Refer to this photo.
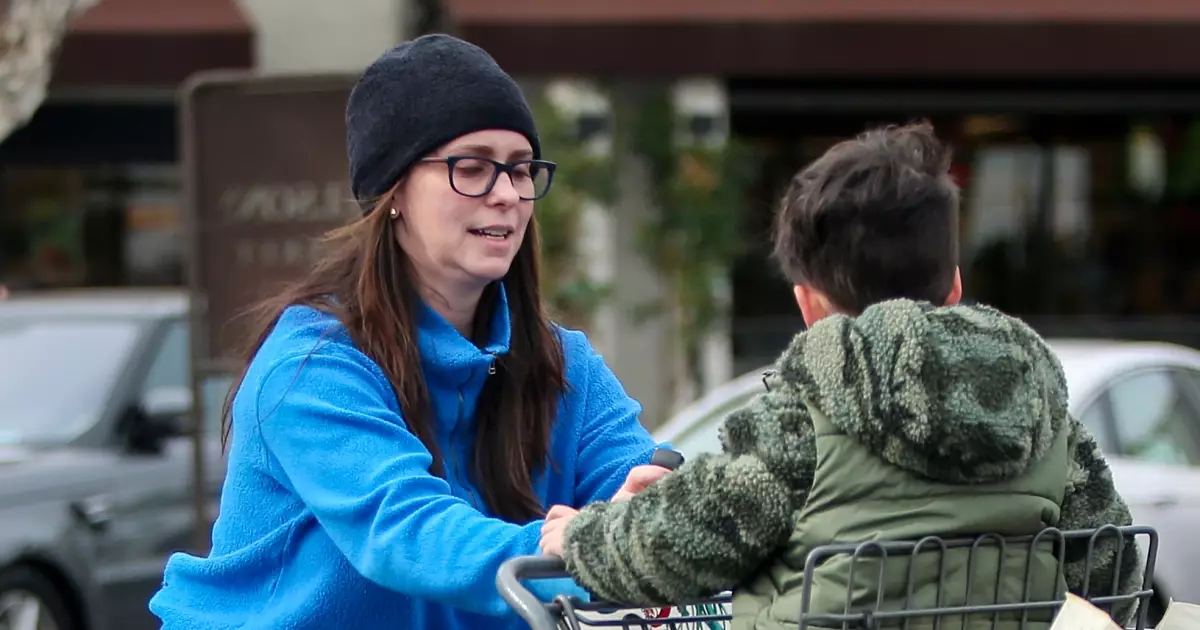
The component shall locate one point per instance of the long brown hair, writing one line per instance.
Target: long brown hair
(367, 282)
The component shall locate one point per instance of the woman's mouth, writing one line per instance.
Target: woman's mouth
(493, 233)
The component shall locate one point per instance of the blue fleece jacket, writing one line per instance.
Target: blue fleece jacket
(329, 516)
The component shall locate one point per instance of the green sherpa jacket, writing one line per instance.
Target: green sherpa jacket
(907, 421)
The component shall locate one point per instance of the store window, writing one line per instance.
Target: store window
(1081, 223)
(1091, 217)
(64, 227)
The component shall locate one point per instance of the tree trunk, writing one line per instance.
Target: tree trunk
(429, 16)
(683, 384)
(30, 35)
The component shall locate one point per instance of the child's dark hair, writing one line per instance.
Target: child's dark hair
(874, 218)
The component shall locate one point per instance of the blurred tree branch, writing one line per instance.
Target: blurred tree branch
(572, 294)
(694, 234)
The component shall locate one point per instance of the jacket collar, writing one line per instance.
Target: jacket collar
(447, 353)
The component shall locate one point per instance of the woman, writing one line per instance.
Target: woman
(408, 409)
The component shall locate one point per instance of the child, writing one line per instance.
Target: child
(898, 414)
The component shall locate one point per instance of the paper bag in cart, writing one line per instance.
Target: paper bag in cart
(1079, 614)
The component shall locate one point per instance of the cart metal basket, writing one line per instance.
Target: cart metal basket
(878, 560)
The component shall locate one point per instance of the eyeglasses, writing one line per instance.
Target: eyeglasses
(473, 176)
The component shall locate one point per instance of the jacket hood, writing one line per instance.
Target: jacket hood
(959, 394)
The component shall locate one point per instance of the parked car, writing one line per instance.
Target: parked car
(1140, 400)
(95, 455)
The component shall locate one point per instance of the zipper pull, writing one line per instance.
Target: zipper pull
(491, 368)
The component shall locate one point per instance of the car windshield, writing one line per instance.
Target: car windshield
(704, 436)
(56, 374)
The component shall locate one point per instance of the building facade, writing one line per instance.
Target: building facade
(90, 188)
(1074, 123)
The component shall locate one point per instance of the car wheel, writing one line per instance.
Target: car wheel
(29, 601)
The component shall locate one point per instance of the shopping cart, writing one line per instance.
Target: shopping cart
(883, 560)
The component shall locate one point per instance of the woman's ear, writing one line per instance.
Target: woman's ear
(396, 202)
(395, 194)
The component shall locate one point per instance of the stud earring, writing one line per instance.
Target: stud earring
(394, 213)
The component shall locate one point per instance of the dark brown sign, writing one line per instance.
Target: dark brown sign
(266, 175)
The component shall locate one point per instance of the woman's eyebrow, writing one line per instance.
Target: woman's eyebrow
(484, 150)
(473, 149)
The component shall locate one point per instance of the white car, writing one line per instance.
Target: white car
(1141, 401)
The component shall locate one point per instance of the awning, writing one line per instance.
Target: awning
(153, 43)
(562, 12)
(839, 38)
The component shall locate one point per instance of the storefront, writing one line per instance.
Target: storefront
(1074, 123)
(1074, 126)
(1080, 218)
(90, 188)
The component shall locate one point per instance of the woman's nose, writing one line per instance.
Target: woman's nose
(504, 191)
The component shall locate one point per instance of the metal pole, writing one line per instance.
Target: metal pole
(196, 315)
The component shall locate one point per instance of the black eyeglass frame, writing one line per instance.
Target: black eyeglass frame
(508, 168)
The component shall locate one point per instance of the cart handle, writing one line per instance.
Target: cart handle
(521, 599)
(512, 571)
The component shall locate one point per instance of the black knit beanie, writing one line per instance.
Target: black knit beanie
(419, 96)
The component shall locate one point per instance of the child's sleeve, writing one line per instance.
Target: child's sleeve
(1092, 501)
(706, 527)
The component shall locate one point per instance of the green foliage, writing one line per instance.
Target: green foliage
(692, 237)
(572, 296)
(695, 233)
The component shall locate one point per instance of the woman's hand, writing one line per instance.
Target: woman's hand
(559, 516)
(638, 479)
(554, 529)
